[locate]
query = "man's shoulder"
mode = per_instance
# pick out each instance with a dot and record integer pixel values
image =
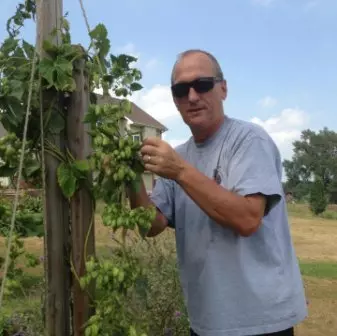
(244, 132)
(251, 129)
(182, 148)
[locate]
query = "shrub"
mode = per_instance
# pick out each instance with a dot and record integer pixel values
(29, 216)
(318, 199)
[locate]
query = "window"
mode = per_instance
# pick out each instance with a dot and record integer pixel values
(136, 137)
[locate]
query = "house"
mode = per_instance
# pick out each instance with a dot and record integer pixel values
(142, 125)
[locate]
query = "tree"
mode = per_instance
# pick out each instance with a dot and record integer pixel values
(315, 157)
(318, 200)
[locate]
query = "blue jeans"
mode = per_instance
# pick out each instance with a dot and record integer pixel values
(288, 332)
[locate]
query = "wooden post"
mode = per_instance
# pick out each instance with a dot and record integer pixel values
(49, 15)
(82, 212)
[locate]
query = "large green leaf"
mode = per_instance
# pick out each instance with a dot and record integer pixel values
(31, 167)
(17, 89)
(66, 179)
(82, 166)
(46, 68)
(135, 86)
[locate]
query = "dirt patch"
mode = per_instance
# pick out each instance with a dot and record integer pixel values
(315, 239)
(322, 319)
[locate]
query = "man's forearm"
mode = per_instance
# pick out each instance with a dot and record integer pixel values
(223, 206)
(142, 199)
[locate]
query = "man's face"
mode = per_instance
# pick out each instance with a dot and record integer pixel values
(199, 110)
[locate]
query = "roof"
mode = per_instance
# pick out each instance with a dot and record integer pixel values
(137, 115)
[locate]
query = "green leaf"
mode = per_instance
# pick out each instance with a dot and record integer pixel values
(82, 166)
(121, 92)
(49, 47)
(31, 167)
(66, 179)
(135, 86)
(9, 45)
(56, 123)
(46, 68)
(28, 48)
(6, 171)
(17, 89)
(100, 39)
(124, 60)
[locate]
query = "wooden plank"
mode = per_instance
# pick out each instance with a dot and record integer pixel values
(82, 220)
(57, 304)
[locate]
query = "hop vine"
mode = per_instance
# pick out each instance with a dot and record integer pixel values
(114, 163)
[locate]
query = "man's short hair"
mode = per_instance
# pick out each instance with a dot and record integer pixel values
(216, 65)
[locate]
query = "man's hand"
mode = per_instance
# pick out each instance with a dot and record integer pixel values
(160, 158)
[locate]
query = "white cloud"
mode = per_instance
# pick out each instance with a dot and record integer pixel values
(176, 142)
(285, 128)
(129, 49)
(267, 102)
(156, 101)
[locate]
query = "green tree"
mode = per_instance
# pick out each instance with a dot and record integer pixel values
(318, 199)
(315, 157)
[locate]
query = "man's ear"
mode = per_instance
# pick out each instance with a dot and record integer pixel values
(224, 89)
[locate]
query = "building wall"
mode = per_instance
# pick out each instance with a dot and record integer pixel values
(150, 132)
(144, 132)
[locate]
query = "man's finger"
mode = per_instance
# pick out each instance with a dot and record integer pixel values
(149, 150)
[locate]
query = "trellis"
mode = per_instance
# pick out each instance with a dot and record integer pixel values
(59, 241)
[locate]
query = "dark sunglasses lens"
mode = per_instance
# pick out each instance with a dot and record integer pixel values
(203, 86)
(180, 90)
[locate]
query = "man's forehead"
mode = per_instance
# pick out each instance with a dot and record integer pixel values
(194, 64)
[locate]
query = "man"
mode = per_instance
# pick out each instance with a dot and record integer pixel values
(222, 193)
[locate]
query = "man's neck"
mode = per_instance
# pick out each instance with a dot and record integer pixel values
(201, 135)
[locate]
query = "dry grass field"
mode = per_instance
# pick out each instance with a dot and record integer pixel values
(315, 243)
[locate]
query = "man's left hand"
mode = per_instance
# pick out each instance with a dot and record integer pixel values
(160, 158)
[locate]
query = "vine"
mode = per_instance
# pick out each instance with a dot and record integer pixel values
(114, 164)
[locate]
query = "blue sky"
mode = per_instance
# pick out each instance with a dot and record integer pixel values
(278, 56)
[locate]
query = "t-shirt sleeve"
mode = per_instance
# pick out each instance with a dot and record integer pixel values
(255, 169)
(162, 197)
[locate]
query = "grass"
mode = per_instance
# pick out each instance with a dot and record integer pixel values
(301, 210)
(322, 270)
(315, 244)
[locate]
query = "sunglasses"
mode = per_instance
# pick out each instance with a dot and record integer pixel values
(200, 85)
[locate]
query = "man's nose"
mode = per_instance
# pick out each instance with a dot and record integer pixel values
(193, 96)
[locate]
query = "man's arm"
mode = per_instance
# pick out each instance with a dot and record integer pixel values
(142, 199)
(253, 178)
(243, 214)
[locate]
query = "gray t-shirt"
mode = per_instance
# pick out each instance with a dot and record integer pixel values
(234, 285)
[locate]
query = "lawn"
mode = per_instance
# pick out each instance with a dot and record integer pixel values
(315, 245)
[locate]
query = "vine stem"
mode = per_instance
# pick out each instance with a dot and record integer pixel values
(85, 16)
(16, 200)
(44, 196)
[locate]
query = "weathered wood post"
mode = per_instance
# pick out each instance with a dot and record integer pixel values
(49, 18)
(82, 212)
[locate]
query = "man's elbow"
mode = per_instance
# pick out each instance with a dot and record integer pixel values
(158, 225)
(250, 226)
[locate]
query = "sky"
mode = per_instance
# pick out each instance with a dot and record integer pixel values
(279, 57)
